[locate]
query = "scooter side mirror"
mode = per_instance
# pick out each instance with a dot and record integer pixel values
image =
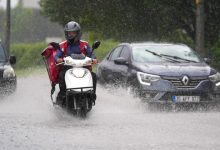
(12, 60)
(207, 60)
(95, 45)
(121, 61)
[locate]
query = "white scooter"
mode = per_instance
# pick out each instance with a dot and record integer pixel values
(80, 95)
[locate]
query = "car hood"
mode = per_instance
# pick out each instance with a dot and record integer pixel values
(177, 69)
(3, 65)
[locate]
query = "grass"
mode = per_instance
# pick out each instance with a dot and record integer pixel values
(104, 48)
(29, 60)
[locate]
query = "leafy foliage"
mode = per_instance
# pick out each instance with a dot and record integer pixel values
(28, 25)
(215, 54)
(169, 20)
(29, 55)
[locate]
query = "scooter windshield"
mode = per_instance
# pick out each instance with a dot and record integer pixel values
(78, 56)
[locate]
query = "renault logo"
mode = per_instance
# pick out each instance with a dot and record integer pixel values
(185, 80)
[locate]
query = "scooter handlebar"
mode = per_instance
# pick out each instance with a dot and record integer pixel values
(61, 63)
(88, 63)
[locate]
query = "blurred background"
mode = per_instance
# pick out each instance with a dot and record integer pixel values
(35, 23)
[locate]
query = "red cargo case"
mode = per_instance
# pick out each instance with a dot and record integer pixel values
(52, 69)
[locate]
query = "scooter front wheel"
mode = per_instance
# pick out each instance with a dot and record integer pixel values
(82, 112)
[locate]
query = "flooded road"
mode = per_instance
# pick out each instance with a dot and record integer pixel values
(28, 120)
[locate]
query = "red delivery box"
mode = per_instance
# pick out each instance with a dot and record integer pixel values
(52, 69)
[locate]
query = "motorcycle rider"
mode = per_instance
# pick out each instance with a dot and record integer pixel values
(72, 45)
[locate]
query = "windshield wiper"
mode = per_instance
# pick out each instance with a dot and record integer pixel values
(176, 57)
(161, 55)
(153, 53)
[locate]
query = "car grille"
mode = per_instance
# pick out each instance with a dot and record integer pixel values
(193, 82)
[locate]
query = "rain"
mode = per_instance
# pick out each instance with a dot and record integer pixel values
(119, 120)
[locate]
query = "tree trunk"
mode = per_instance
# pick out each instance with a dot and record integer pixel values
(8, 26)
(200, 27)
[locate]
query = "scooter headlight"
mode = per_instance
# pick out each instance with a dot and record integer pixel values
(78, 73)
(147, 79)
(69, 62)
(9, 73)
(215, 78)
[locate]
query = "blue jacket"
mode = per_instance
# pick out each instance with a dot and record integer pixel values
(74, 49)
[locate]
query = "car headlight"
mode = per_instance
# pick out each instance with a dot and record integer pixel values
(9, 73)
(146, 79)
(78, 73)
(215, 78)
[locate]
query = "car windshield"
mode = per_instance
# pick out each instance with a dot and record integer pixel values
(2, 54)
(161, 53)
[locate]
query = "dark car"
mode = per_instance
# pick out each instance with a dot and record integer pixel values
(8, 79)
(161, 73)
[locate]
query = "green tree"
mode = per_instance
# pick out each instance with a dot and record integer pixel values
(169, 20)
(2, 24)
(28, 25)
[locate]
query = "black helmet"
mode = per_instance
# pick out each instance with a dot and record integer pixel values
(72, 26)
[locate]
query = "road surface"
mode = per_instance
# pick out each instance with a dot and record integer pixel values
(28, 121)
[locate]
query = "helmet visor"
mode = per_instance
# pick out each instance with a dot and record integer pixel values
(71, 34)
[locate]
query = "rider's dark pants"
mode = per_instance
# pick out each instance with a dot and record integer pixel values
(62, 83)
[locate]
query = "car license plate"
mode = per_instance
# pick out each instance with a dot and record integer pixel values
(185, 98)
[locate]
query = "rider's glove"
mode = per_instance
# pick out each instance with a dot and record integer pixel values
(59, 60)
(94, 61)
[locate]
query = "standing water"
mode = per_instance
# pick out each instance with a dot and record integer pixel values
(119, 121)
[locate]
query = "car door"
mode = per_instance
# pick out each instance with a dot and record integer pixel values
(122, 70)
(108, 67)
(2, 61)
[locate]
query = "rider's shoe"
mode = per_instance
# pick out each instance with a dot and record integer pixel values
(61, 98)
(94, 98)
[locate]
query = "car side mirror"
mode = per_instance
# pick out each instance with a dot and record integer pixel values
(95, 45)
(207, 60)
(121, 61)
(12, 60)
